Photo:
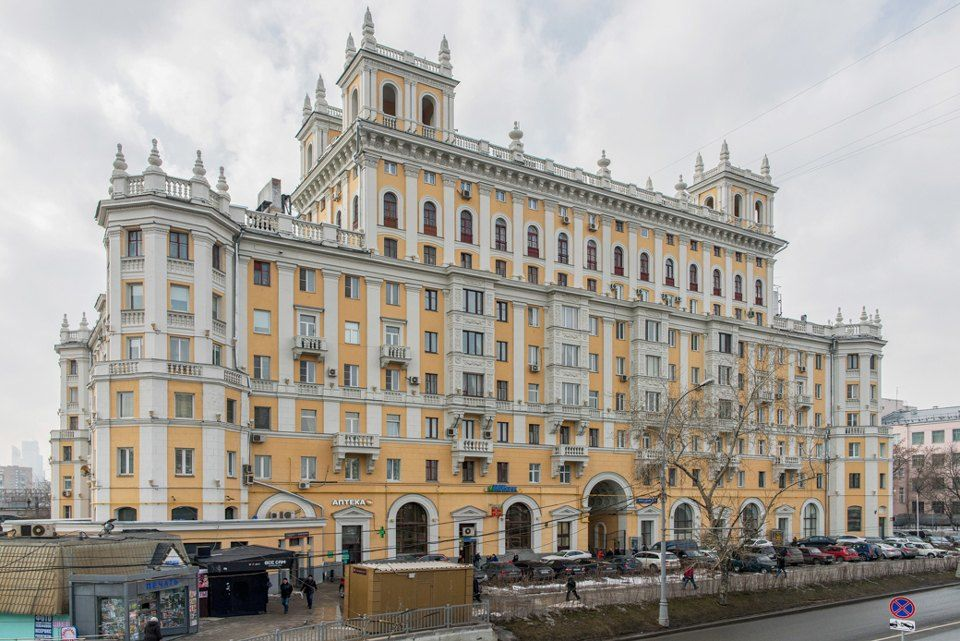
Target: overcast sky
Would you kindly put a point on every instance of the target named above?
(650, 82)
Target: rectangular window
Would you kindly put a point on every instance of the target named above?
(593, 399)
(134, 347)
(570, 317)
(124, 404)
(351, 333)
(652, 331)
(503, 432)
(533, 274)
(179, 349)
(183, 405)
(432, 470)
(390, 167)
(503, 351)
(351, 287)
(308, 371)
(429, 255)
(134, 243)
(261, 321)
(936, 436)
(594, 326)
(179, 245)
(533, 355)
(134, 295)
(262, 467)
(503, 472)
(593, 362)
(571, 355)
(433, 427)
(430, 342)
(308, 421)
(431, 384)
(761, 479)
(854, 481)
(621, 330)
(351, 376)
(307, 324)
(179, 298)
(351, 468)
(125, 461)
(430, 298)
(467, 472)
(564, 473)
(393, 469)
(503, 309)
(533, 392)
(429, 178)
(351, 422)
(533, 316)
(231, 410)
(695, 342)
(261, 273)
(472, 384)
(261, 367)
(183, 461)
(534, 475)
(853, 450)
(473, 301)
(391, 382)
(261, 418)
(570, 394)
(853, 361)
(308, 280)
(393, 293)
(231, 464)
(473, 343)
(393, 425)
(621, 365)
(533, 434)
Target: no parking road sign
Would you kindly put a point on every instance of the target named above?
(902, 608)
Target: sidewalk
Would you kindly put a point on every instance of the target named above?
(326, 607)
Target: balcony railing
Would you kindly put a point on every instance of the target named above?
(788, 462)
(179, 266)
(346, 444)
(180, 320)
(472, 448)
(131, 317)
(184, 369)
(572, 452)
(398, 354)
(131, 265)
(309, 345)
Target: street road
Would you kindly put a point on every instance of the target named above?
(938, 619)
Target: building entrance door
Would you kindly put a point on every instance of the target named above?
(352, 543)
(468, 542)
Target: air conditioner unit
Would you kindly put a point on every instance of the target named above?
(68, 493)
(467, 531)
(623, 378)
(337, 193)
(258, 438)
(594, 226)
(779, 397)
(487, 434)
(247, 472)
(451, 432)
(751, 314)
(37, 531)
(303, 485)
(332, 372)
(564, 219)
(802, 369)
(413, 380)
(466, 190)
(534, 367)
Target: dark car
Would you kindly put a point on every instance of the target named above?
(817, 541)
(599, 568)
(624, 564)
(867, 551)
(680, 547)
(812, 555)
(792, 555)
(501, 571)
(701, 559)
(568, 568)
(765, 550)
(535, 570)
(752, 563)
(433, 557)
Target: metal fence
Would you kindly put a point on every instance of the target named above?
(514, 604)
(387, 624)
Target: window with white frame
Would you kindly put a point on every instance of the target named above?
(351, 422)
(533, 392)
(179, 349)
(534, 475)
(393, 425)
(351, 333)
(308, 280)
(391, 335)
(351, 287)
(593, 362)
(570, 394)
(261, 367)
(261, 321)
(308, 371)
(571, 355)
(393, 469)
(351, 468)
(570, 317)
(183, 405)
(307, 324)
(392, 293)
(125, 461)
(124, 404)
(231, 463)
(351, 375)
(391, 380)
(262, 466)
(179, 298)
(308, 421)
(183, 461)
(308, 468)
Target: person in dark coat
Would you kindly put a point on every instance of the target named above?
(286, 589)
(309, 587)
(572, 589)
(152, 630)
(516, 557)
(477, 559)
(476, 589)
(781, 565)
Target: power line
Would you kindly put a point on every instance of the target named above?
(811, 87)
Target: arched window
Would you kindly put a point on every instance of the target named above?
(230, 513)
(708, 202)
(126, 514)
(563, 248)
(758, 212)
(309, 156)
(668, 277)
(811, 520)
(339, 218)
(683, 522)
(500, 235)
(354, 104)
(355, 214)
(618, 261)
(716, 283)
(389, 100)
(412, 529)
(854, 518)
(737, 206)
(184, 513)
(533, 242)
(591, 254)
(426, 111)
(518, 525)
(390, 218)
(644, 266)
(466, 227)
(758, 292)
(738, 287)
(750, 521)
(429, 218)
(694, 283)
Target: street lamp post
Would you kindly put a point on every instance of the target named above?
(664, 618)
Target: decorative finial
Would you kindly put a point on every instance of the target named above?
(65, 324)
(863, 315)
(724, 152)
(321, 93)
(876, 316)
(307, 109)
(83, 321)
(681, 188)
(604, 164)
(350, 51)
(154, 157)
(368, 41)
(765, 167)
(119, 163)
(222, 186)
(698, 168)
(516, 137)
(199, 171)
(444, 56)
(839, 316)
(649, 185)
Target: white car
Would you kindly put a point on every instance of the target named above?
(848, 539)
(652, 560)
(889, 551)
(925, 549)
(758, 543)
(568, 555)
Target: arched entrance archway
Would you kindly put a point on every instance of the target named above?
(518, 527)
(412, 529)
(607, 526)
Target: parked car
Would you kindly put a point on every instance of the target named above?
(502, 572)
(841, 553)
(679, 547)
(889, 552)
(849, 539)
(433, 557)
(568, 555)
(562, 568)
(815, 556)
(535, 570)
(867, 551)
(907, 550)
(792, 555)
(927, 550)
(766, 550)
(702, 558)
(751, 563)
(651, 560)
(600, 568)
(941, 542)
(624, 563)
(756, 543)
(873, 539)
(817, 541)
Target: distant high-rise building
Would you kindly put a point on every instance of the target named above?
(28, 455)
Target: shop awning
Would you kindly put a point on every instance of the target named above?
(247, 558)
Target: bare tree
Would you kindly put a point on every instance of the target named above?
(923, 468)
(748, 413)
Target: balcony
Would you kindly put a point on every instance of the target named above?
(395, 354)
(766, 396)
(309, 345)
(131, 317)
(180, 266)
(179, 320)
(219, 327)
(472, 448)
(804, 399)
(788, 462)
(131, 265)
(356, 445)
(577, 455)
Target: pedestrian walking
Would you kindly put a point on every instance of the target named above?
(781, 565)
(476, 589)
(516, 557)
(477, 559)
(688, 577)
(309, 587)
(152, 630)
(342, 586)
(572, 589)
(285, 591)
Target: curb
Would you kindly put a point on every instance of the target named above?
(778, 613)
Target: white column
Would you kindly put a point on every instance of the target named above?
(411, 216)
(518, 233)
(548, 240)
(449, 230)
(202, 296)
(115, 293)
(606, 397)
(770, 293)
(413, 327)
(369, 200)
(483, 226)
(331, 317)
(373, 332)
(240, 314)
(655, 270)
(706, 278)
(683, 270)
(213, 468)
(728, 279)
(749, 291)
(577, 248)
(633, 259)
(684, 366)
(606, 255)
(520, 352)
(286, 405)
(155, 289)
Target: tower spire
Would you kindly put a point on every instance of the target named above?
(307, 109)
(724, 153)
(368, 41)
(698, 168)
(604, 164)
(444, 56)
(320, 96)
(765, 167)
(350, 51)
